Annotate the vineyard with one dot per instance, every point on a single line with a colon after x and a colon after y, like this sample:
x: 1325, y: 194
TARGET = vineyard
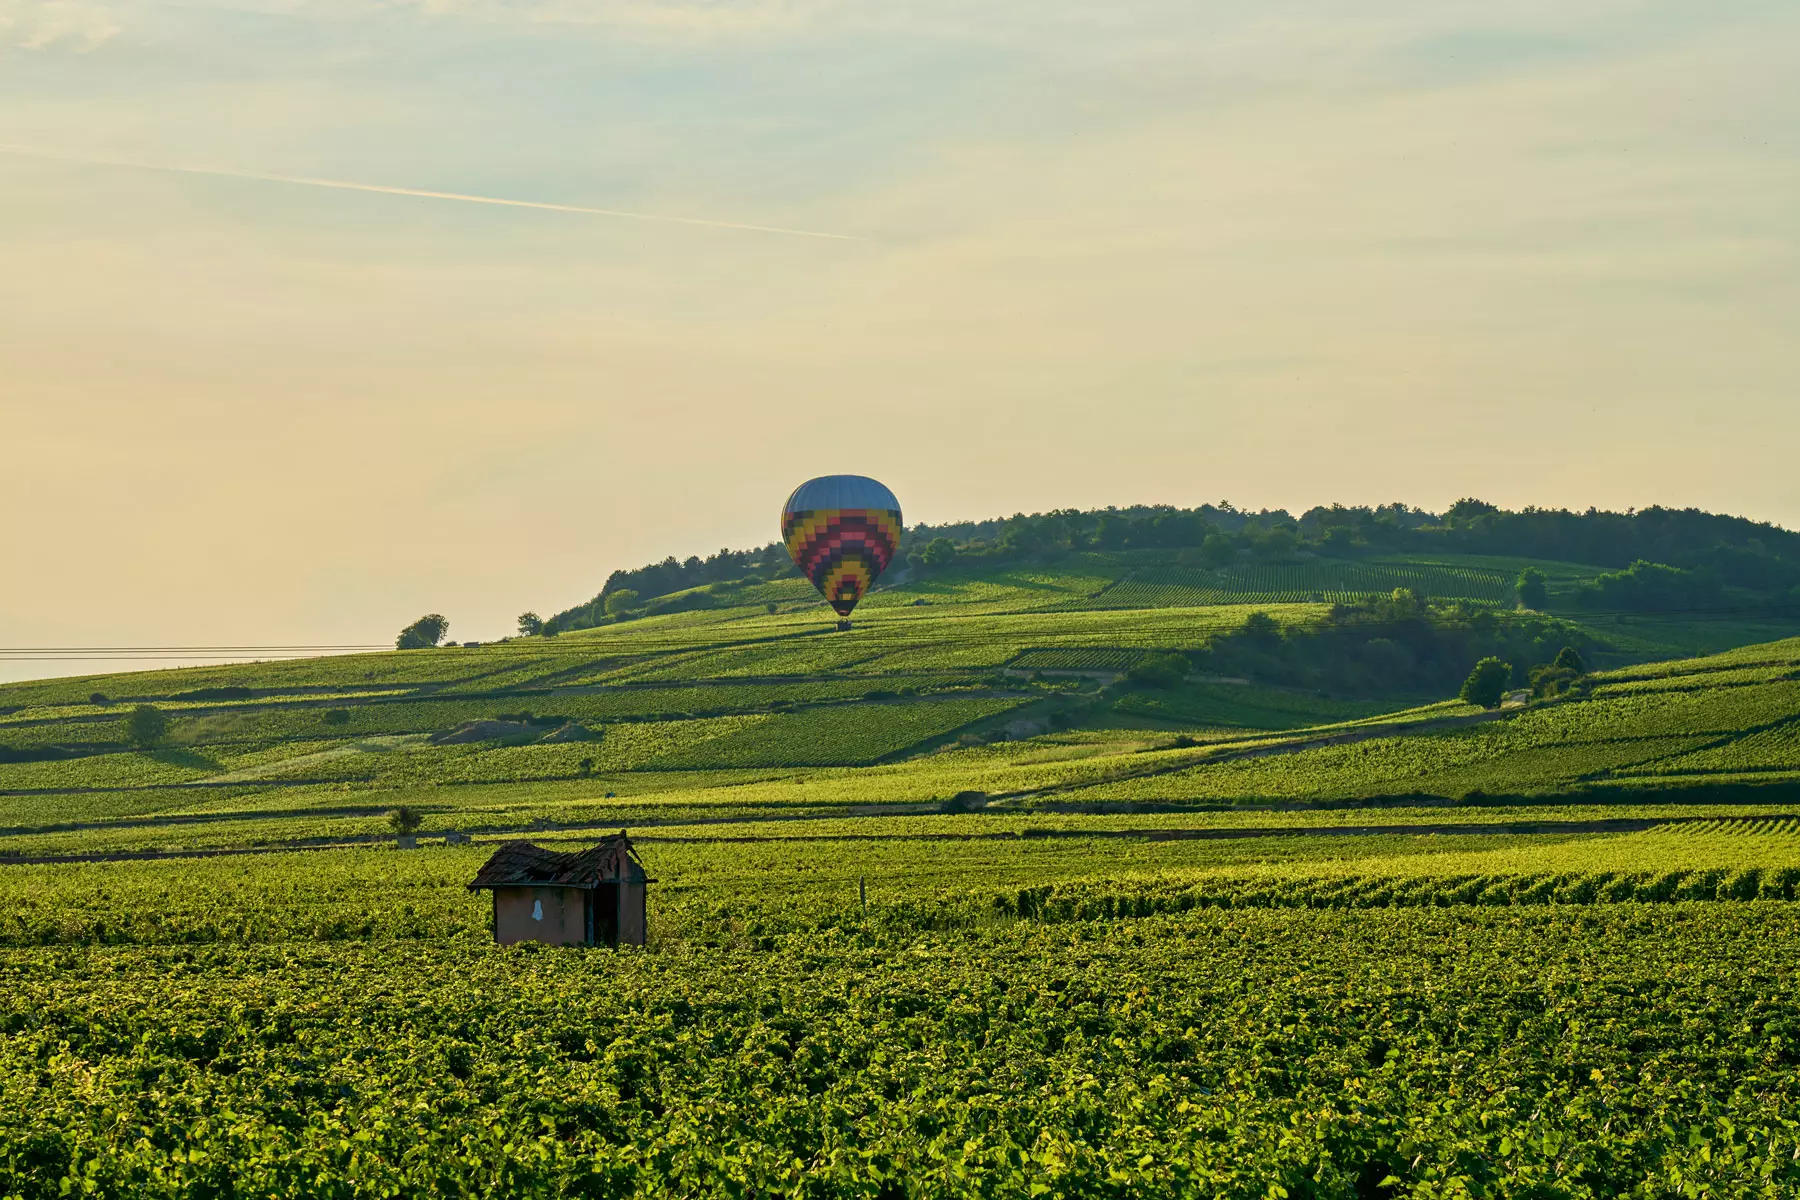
x: 1318, y: 582
x: 293, y: 1026
x: 957, y: 903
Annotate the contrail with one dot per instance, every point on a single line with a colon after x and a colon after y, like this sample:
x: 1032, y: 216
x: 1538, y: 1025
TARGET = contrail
x: 387, y: 190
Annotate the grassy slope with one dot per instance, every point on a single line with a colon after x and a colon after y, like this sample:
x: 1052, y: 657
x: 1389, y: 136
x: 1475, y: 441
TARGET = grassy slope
x: 735, y: 711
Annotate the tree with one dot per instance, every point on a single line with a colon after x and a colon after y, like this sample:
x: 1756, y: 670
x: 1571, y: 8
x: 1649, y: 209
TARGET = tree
x: 1486, y: 684
x: 1260, y: 629
x: 1159, y: 671
x: 1278, y: 543
x: 621, y: 601
x: 939, y: 552
x: 530, y: 624
x: 146, y: 726
x: 423, y: 633
x: 1531, y: 589
x: 404, y: 820
x: 1569, y: 659
x: 1217, y: 550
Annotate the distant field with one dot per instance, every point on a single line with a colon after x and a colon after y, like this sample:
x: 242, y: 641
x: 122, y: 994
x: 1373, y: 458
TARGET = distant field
x: 1302, y: 583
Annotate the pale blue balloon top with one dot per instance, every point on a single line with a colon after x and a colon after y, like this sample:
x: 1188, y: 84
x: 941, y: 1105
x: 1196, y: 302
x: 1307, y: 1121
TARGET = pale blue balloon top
x: 841, y: 491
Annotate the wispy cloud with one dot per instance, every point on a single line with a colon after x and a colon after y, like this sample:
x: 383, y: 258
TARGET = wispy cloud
x: 56, y: 24
x: 426, y: 194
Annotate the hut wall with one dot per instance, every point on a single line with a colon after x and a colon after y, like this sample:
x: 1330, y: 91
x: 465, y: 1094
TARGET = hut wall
x: 530, y: 914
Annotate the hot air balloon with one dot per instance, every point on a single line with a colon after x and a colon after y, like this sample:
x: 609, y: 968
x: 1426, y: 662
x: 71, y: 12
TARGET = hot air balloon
x: 842, y: 531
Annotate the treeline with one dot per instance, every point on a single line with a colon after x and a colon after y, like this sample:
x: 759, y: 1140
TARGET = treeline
x: 1731, y: 550
x: 1397, y: 644
x: 1663, y: 558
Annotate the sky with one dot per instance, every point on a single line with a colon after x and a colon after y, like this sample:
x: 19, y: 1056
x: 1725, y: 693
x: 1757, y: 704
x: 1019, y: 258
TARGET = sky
x: 1278, y: 253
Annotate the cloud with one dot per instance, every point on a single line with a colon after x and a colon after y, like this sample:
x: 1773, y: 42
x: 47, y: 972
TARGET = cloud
x: 423, y: 194
x: 73, y: 25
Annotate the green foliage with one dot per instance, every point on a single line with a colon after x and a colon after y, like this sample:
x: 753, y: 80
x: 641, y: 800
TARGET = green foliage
x: 1569, y: 659
x: 1651, y: 587
x: 1160, y: 670
x: 404, y: 819
x: 1486, y: 684
x: 936, y: 554
x: 1532, y: 589
x: 621, y: 601
x: 423, y: 633
x: 1110, y: 1043
x: 146, y: 726
x: 530, y: 624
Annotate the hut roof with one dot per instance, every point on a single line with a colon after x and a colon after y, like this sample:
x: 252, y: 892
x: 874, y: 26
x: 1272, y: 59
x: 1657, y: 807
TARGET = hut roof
x: 522, y: 864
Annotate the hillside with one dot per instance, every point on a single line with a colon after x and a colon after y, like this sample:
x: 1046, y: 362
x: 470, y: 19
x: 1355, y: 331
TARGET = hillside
x: 1654, y: 560
x: 1046, y: 682
x: 1115, y: 876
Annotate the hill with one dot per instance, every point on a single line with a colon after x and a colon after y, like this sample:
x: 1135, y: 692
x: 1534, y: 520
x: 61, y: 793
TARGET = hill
x: 1117, y: 875
x: 1654, y: 560
x: 973, y: 679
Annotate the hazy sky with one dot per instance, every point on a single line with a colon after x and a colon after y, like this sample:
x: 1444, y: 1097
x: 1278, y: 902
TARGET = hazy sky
x: 1279, y: 252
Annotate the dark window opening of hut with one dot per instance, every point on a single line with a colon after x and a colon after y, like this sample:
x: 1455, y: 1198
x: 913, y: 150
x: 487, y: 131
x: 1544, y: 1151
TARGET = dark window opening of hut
x: 592, y: 897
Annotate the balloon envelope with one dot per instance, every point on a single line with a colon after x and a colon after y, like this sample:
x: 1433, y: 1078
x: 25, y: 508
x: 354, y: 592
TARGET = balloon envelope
x: 842, y: 531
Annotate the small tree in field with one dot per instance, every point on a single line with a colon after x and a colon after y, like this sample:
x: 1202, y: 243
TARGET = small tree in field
x: 530, y: 624
x: 1569, y: 659
x: 1486, y: 684
x: 1532, y: 591
x: 404, y: 820
x: 423, y: 633
x: 147, y: 726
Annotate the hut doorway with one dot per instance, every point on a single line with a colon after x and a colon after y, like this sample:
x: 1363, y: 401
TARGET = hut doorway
x: 603, y: 915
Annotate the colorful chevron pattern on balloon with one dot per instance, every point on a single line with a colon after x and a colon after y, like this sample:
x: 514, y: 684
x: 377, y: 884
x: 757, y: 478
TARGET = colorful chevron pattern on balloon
x: 842, y: 531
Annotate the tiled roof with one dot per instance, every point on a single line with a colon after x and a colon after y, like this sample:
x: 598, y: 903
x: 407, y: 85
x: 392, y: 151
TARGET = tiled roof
x: 522, y: 864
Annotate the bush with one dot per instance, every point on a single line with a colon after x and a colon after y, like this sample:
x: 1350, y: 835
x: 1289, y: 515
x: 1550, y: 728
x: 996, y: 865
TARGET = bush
x: 337, y: 716
x: 98, y: 698
x: 147, y: 726
x: 1159, y: 671
x: 1569, y: 659
x: 404, y: 819
x: 1532, y: 591
x: 1651, y: 587
x: 1486, y: 684
x: 620, y: 602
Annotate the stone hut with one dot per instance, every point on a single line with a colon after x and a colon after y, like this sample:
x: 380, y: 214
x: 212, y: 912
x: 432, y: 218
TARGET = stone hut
x: 593, y: 897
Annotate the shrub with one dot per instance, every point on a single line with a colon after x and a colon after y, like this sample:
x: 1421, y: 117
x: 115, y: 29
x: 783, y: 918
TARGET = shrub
x: 1486, y: 684
x: 1533, y: 592
x: 146, y: 726
x: 1159, y: 671
x: 404, y: 819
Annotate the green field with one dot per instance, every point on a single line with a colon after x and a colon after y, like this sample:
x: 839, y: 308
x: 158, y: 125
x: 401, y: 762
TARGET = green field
x: 1213, y: 935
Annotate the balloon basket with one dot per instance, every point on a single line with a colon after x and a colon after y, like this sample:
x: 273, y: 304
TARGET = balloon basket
x: 843, y: 627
